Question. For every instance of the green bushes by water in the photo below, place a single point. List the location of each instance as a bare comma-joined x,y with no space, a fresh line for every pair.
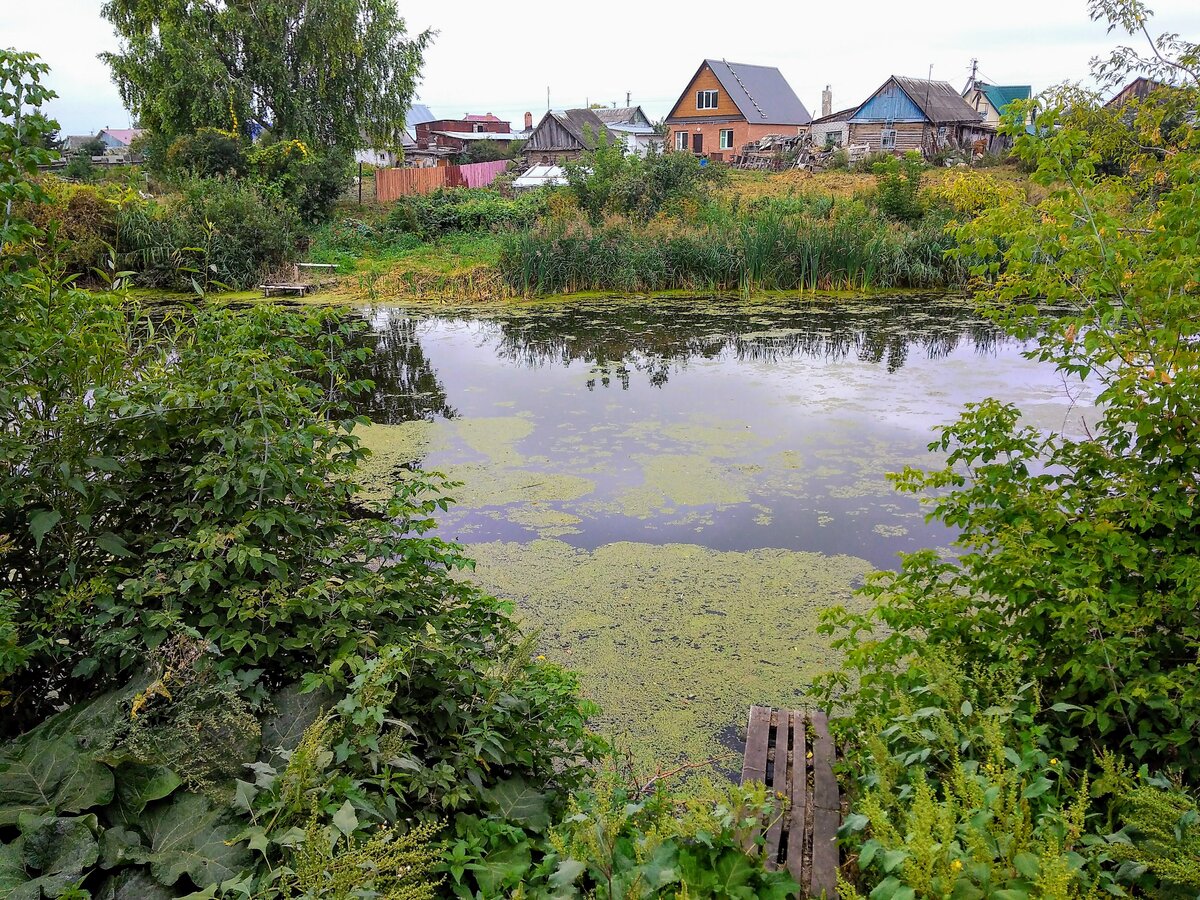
464,209
764,250
216,232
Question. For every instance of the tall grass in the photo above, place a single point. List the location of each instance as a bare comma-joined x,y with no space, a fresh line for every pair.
770,247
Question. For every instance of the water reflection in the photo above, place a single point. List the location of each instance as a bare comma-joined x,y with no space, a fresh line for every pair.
727,424
406,386
617,339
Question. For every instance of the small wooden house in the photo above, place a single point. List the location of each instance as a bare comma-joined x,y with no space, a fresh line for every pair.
917,114
564,135
726,105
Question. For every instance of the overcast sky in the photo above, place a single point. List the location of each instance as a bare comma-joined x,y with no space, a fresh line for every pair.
501,57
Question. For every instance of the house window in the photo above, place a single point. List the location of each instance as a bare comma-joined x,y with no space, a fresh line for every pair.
706,99
681,140
941,134
833,139
887,139
478,129
726,141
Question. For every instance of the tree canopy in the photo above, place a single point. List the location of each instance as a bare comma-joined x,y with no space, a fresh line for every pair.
332,73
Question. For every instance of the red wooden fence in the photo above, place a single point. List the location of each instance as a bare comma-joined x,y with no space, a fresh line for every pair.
391,184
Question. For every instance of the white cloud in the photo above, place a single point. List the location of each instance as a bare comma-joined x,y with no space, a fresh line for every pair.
500,58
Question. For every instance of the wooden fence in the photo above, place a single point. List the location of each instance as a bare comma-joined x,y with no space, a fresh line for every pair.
391,184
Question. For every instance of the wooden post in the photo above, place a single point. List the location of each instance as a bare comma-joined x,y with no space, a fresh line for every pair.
360,184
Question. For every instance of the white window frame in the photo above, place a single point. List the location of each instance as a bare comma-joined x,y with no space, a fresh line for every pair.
941,134
833,139
683,140
887,139
707,99
722,144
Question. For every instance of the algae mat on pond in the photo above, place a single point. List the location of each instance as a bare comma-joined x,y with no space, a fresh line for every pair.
675,641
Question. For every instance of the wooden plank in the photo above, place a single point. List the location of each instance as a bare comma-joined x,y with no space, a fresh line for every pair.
825,789
778,784
799,796
824,853
754,767
826,812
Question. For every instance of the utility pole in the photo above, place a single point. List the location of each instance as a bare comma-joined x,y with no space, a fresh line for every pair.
628,94
974,73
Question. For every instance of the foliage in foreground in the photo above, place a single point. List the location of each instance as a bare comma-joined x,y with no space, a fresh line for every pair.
225,674
1070,606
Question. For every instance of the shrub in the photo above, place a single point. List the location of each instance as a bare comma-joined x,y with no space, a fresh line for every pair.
216,231
449,210
207,153
310,182
898,187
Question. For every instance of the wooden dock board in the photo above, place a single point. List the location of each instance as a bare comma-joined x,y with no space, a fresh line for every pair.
792,753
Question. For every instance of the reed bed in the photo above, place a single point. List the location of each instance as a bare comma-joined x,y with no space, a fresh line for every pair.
769,249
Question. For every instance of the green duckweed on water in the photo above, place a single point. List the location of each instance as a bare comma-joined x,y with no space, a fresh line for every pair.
392,448
675,641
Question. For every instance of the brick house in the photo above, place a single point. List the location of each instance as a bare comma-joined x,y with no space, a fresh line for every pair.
727,105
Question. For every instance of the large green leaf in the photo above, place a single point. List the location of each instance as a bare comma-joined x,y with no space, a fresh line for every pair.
133,884
56,853
137,785
502,869
514,800
12,872
190,836
44,773
294,713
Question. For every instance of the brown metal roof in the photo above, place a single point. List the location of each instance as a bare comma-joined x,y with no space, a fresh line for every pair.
937,100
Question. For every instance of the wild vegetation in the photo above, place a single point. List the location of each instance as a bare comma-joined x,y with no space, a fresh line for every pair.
1021,708
226,672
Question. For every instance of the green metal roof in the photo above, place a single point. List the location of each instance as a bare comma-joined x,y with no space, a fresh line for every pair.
1000,95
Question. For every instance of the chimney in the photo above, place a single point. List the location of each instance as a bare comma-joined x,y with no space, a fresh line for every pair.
826,102
529,121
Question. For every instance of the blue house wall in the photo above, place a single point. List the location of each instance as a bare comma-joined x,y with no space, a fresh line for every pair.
889,104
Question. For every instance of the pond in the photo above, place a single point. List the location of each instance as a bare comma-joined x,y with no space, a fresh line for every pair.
673,489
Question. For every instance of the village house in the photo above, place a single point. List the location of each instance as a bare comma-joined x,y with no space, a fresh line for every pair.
917,114
632,126
991,100
456,135
1138,89
564,135
832,129
381,157
727,105
119,140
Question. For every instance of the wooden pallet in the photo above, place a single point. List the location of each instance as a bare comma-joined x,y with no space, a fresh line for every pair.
793,754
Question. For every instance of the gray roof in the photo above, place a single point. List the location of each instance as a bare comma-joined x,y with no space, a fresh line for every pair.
761,93
416,114
583,124
626,115
936,99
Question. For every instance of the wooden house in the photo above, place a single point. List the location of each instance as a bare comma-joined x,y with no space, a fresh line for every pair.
917,114
1138,89
564,135
726,105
